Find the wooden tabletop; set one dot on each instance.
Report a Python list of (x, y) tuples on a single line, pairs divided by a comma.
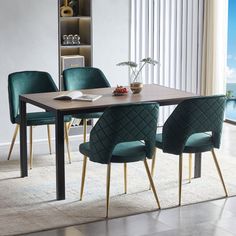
[(152, 92)]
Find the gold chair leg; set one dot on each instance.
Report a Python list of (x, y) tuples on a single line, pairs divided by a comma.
[(108, 187), (13, 141), (125, 177), (219, 171), (153, 166), (31, 147), (49, 139), (69, 126), (180, 177), (190, 168), (85, 129), (83, 177), (67, 142), (84, 162), (151, 182)]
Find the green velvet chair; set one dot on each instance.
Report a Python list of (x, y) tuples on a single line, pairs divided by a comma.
[(195, 126), (123, 134), (84, 78), (26, 82)]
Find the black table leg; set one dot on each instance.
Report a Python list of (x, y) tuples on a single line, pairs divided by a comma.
[(60, 164), (197, 165), (23, 140)]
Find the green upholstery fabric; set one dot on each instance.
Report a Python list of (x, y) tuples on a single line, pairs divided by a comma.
[(93, 115), (135, 151), (26, 82), (199, 142), (84, 78), (192, 116), (41, 118), (117, 134)]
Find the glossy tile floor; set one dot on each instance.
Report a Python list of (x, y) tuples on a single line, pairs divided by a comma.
[(216, 218)]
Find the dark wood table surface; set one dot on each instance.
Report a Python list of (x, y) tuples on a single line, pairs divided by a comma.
[(162, 95)]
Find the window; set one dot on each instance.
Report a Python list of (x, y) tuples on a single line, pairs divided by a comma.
[(231, 68)]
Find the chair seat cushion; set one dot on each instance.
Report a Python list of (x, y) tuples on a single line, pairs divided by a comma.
[(123, 152), (92, 115), (41, 118), (199, 142)]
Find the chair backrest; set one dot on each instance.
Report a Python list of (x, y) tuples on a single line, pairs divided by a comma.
[(196, 115), (84, 78), (26, 82), (124, 123)]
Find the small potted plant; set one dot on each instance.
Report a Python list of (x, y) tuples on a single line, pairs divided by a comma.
[(229, 94), (135, 80)]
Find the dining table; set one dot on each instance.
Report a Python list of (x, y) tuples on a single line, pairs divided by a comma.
[(165, 96)]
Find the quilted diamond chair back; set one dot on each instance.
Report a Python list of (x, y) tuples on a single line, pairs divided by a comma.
[(124, 123), (196, 115), (26, 82), (84, 78)]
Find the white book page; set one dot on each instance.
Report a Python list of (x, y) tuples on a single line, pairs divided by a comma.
[(88, 97), (70, 95), (75, 94)]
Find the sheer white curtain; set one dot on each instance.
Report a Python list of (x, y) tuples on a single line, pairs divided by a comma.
[(214, 58), (171, 32)]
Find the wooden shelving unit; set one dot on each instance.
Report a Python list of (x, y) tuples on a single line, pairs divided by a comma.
[(80, 24)]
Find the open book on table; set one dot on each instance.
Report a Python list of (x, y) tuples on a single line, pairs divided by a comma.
[(77, 96)]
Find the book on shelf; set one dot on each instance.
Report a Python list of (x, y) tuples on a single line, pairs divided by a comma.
[(77, 96)]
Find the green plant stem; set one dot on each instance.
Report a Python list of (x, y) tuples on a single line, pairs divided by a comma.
[(132, 69), (139, 71)]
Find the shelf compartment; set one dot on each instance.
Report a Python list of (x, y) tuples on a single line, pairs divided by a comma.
[(83, 51), (83, 7), (79, 26)]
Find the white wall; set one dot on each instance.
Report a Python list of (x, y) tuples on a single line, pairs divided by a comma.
[(111, 38), (28, 41)]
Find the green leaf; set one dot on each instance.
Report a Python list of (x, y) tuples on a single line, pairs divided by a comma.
[(127, 63), (149, 60)]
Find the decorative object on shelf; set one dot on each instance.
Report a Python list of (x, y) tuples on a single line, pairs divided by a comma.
[(70, 39), (76, 39), (75, 6), (65, 39), (120, 91), (136, 84), (66, 10), (71, 61)]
